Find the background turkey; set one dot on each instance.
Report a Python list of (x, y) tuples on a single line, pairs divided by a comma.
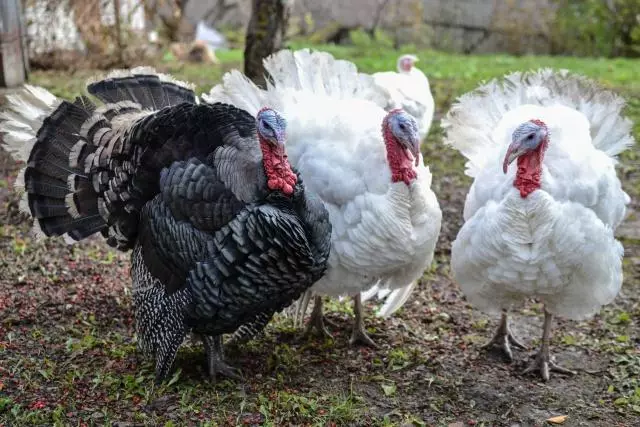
[(364, 163), (545, 228), (409, 89), (221, 228)]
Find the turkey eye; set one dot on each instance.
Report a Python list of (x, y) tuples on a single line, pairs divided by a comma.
[(402, 126), (530, 137)]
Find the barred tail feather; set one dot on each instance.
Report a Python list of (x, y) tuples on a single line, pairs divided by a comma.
[(41, 130), (143, 86), (25, 112), (79, 161)]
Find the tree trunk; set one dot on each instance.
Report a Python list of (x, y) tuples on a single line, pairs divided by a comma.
[(265, 35)]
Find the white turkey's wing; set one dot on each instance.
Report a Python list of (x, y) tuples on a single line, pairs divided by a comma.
[(379, 241)]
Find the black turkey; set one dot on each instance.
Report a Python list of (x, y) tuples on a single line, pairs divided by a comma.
[(222, 231)]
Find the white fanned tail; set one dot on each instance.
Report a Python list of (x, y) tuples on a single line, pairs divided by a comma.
[(289, 72), (471, 120)]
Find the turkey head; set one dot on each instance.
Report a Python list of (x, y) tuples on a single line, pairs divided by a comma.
[(271, 128), (529, 142), (400, 133)]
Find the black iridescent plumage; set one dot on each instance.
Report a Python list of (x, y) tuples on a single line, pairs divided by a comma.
[(183, 185)]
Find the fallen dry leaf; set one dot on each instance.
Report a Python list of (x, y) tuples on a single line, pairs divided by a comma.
[(560, 419)]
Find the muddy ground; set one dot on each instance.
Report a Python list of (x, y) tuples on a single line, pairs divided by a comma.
[(68, 356)]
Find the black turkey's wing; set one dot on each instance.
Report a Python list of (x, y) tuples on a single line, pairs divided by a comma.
[(258, 262), (194, 193), (220, 135), (261, 261), (315, 219), (170, 247)]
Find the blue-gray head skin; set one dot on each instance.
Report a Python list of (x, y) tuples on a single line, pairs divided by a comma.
[(271, 126), (529, 136), (404, 129)]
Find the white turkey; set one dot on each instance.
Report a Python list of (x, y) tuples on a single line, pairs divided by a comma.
[(543, 228), (365, 165), (409, 89), (222, 231)]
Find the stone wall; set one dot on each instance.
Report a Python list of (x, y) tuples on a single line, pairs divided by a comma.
[(516, 26), (458, 25)]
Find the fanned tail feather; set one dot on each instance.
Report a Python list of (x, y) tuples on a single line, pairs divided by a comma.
[(470, 121), (289, 72), (78, 161), (322, 74), (238, 90), (143, 86)]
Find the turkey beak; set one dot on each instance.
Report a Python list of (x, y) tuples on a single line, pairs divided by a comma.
[(281, 139), (415, 149), (514, 151), (278, 140)]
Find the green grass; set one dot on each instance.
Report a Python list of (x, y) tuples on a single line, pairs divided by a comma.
[(469, 70), (68, 357)]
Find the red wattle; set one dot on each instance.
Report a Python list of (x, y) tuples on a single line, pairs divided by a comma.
[(530, 170), (530, 166), (402, 169), (277, 168)]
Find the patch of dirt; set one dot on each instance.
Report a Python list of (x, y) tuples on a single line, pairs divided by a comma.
[(67, 348)]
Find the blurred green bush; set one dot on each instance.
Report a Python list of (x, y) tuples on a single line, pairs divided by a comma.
[(608, 28)]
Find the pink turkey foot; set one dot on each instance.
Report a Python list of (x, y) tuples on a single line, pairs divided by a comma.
[(359, 335), (543, 362), (504, 338), (317, 320)]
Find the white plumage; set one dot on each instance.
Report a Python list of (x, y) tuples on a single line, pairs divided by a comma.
[(409, 89), (384, 233), (556, 243)]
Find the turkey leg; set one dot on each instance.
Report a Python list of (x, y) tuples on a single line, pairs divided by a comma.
[(543, 362), (317, 320), (215, 359), (301, 308), (359, 335), (503, 338)]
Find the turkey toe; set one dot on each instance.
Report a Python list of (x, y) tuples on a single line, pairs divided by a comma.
[(504, 338), (317, 321), (218, 366), (543, 364), (359, 336)]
